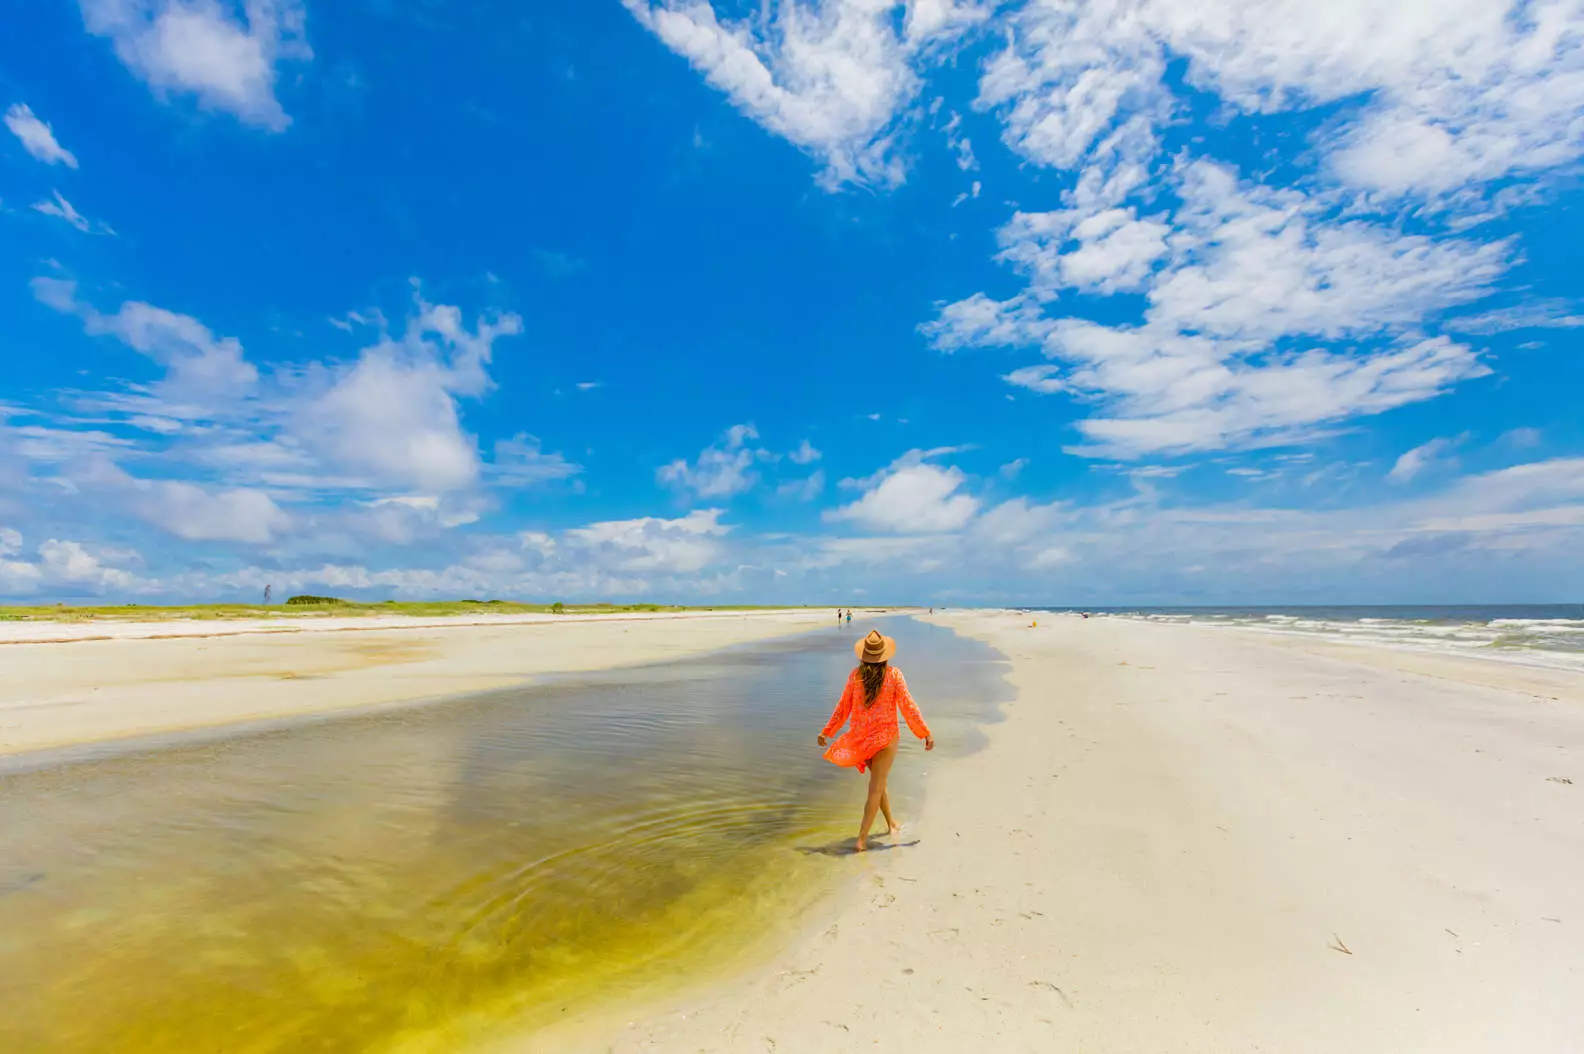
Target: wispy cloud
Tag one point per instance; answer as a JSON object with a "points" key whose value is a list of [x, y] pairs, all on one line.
{"points": [[62, 209], [832, 77], [721, 470], [37, 137], [1244, 274], [1415, 461]]}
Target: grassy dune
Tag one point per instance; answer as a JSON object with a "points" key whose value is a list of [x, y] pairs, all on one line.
{"points": [[327, 607]]}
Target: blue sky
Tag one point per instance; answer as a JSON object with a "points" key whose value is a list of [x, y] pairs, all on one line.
{"points": [[1134, 301]]}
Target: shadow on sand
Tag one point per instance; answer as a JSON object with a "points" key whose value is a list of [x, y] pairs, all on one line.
{"points": [[845, 847]]}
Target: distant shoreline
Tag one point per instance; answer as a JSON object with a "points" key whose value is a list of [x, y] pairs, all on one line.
{"points": [[332, 607]]}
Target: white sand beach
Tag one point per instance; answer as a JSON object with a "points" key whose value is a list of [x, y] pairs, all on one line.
{"points": [[66, 684], [1179, 839], [1194, 839]]}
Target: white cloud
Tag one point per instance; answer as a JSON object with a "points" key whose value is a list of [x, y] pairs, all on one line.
{"points": [[911, 497], [913, 553], [1253, 285], [521, 461], [197, 515], [980, 321], [1518, 529], [186, 510], [1017, 522], [805, 454], [62, 209], [1250, 290], [1454, 93], [49, 445], [1251, 262], [1542, 314], [17, 577], [1522, 437], [831, 77], [803, 489], [200, 47], [1416, 460], [1049, 557], [390, 419], [651, 544], [960, 145], [72, 562], [198, 364], [1115, 250], [1543, 491], [1046, 380], [933, 20], [406, 518], [37, 137], [1186, 398], [721, 470]]}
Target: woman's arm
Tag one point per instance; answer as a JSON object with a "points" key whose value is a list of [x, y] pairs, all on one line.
{"points": [[843, 708], [910, 711]]}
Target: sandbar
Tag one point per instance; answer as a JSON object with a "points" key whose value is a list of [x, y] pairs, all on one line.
{"points": [[73, 684]]}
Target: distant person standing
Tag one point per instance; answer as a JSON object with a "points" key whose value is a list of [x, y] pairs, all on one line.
{"points": [[875, 692], [849, 616]]}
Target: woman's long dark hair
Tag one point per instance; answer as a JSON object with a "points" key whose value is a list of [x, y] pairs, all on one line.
{"points": [[873, 675]]}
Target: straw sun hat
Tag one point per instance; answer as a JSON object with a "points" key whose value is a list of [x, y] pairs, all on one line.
{"points": [[875, 648]]}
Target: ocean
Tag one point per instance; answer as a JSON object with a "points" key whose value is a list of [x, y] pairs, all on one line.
{"points": [[1533, 634]]}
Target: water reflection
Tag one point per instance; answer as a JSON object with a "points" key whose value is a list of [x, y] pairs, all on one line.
{"points": [[412, 879]]}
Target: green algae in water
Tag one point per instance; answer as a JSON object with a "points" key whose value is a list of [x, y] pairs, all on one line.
{"points": [[421, 879]]}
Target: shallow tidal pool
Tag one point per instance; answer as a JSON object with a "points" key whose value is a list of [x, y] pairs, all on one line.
{"points": [[432, 877]]}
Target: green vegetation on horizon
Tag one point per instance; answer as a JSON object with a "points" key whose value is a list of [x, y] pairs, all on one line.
{"points": [[312, 607]]}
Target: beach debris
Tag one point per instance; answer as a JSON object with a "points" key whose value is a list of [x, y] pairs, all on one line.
{"points": [[798, 976], [1559, 779], [1053, 988], [1336, 945]]}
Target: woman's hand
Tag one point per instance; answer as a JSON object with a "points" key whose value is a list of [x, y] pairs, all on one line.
{"points": [[820, 740], [929, 744]]}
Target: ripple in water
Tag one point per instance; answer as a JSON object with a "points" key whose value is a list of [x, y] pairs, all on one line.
{"points": [[421, 879]]}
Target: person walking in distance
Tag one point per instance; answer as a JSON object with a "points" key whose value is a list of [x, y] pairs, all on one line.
{"points": [[875, 691]]}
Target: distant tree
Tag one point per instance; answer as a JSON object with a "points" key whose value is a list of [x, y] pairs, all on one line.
{"points": [[557, 608], [308, 600]]}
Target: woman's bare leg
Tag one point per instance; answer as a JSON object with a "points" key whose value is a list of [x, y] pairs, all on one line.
{"points": [[885, 810], [879, 769]]}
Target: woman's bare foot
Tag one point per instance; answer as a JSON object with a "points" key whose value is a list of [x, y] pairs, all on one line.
{"points": [[859, 846], [893, 828]]}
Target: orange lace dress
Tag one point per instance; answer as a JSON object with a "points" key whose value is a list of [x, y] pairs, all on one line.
{"points": [[874, 727]]}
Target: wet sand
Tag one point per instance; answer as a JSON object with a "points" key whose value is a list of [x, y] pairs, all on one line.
{"points": [[64, 685], [1194, 839]]}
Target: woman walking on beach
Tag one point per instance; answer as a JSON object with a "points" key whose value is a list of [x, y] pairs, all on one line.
{"points": [[875, 691]]}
